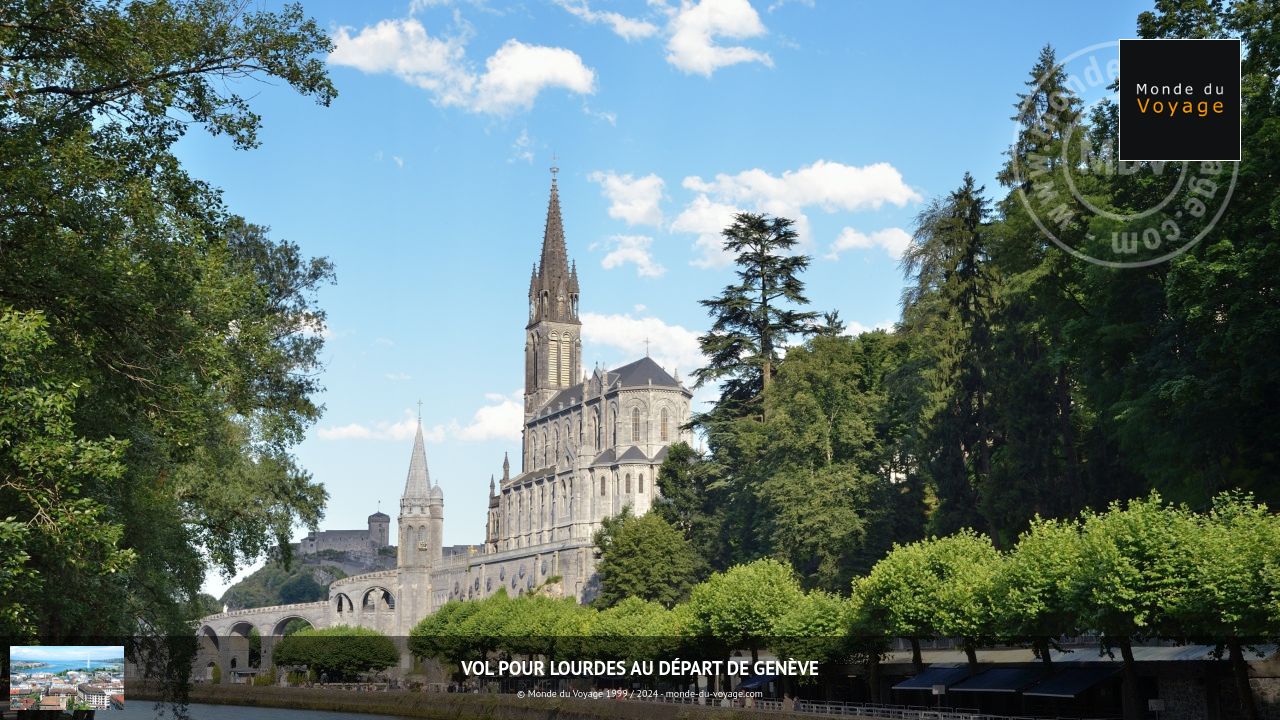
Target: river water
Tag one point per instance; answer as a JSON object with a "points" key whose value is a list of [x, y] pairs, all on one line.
{"points": [[145, 710]]}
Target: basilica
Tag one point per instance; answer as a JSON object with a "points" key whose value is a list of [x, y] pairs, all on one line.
{"points": [[592, 445]]}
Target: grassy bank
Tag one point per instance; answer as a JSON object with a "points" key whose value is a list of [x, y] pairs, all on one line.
{"points": [[448, 706]]}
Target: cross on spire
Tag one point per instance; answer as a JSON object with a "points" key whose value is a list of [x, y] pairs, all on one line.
{"points": [[646, 347], [555, 169], [419, 410]]}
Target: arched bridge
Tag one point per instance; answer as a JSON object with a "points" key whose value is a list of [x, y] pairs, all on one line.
{"points": [[225, 638]]}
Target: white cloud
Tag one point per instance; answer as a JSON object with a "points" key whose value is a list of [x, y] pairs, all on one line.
{"points": [[398, 160], [398, 377], [633, 249], [501, 419], [829, 185], [516, 73], [638, 201], [402, 429], [512, 79], [893, 240], [853, 327], [706, 219], [640, 307], [671, 346], [627, 28], [522, 148], [694, 28], [310, 327]]}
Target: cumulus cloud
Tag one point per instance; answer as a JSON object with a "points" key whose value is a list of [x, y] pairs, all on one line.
{"points": [[671, 346], [501, 419], [512, 78], [638, 201], [627, 28], [829, 185], [893, 240], [694, 27], [634, 249], [853, 327], [706, 219], [402, 429]]}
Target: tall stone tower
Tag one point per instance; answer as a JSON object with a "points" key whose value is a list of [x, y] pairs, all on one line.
{"points": [[553, 337], [421, 513]]}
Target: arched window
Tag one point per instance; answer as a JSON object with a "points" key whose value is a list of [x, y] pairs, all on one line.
{"points": [[555, 457], [641, 488], [664, 425], [566, 355], [546, 449], [627, 487], [553, 358], [635, 424], [602, 486]]}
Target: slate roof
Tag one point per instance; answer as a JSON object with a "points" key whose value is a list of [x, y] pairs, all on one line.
{"points": [[418, 483], [633, 454], [641, 372]]}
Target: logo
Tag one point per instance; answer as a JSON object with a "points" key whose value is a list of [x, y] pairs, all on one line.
{"points": [[1082, 196]]}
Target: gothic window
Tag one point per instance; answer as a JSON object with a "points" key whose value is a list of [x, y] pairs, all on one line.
{"points": [[602, 486], [566, 350], [635, 424], [553, 502], [627, 487], [553, 358], [556, 455], [664, 425], [546, 450], [641, 488]]}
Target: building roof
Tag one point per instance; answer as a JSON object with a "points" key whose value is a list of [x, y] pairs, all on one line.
{"points": [[418, 483], [639, 373], [643, 372], [379, 516], [634, 454]]}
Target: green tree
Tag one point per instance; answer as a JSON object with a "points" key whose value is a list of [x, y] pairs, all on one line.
{"points": [[341, 651], [949, 301], [688, 502], [1232, 571], [1033, 590], [742, 606], [187, 336], [1128, 575], [826, 410], [645, 558], [753, 318]]}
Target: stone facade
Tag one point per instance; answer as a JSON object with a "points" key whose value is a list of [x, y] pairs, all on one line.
{"points": [[592, 445], [360, 542]]}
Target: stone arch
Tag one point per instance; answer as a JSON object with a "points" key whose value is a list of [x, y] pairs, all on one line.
{"points": [[378, 599], [344, 604], [278, 629], [209, 637]]}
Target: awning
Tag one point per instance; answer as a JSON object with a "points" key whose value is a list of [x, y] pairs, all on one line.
{"points": [[1071, 682], [756, 682], [1001, 680], [934, 675]]}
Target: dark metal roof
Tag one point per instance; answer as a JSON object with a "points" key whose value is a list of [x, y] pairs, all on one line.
{"points": [[934, 675], [608, 457], [1072, 681], [642, 372], [1001, 680], [634, 454]]}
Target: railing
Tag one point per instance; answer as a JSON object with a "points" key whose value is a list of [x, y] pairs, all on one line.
{"points": [[866, 711], [266, 610]]}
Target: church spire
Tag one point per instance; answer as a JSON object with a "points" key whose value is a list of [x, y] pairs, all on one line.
{"points": [[554, 285], [418, 483]]}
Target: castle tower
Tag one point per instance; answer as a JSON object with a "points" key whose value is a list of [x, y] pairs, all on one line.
{"points": [[421, 513], [553, 337], [380, 529]]}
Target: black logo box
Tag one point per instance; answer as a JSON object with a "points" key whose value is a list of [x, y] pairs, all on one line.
{"points": [[1160, 77]]}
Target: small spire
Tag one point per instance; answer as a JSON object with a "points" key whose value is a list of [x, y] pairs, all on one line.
{"points": [[506, 467], [491, 485]]}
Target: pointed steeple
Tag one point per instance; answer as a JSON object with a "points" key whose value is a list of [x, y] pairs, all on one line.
{"points": [[553, 288], [418, 483], [506, 467]]}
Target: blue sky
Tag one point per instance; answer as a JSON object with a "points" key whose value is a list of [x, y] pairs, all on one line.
{"points": [[66, 653], [426, 183]]}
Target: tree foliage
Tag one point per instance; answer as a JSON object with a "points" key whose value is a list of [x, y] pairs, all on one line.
{"points": [[644, 558], [342, 652]]}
